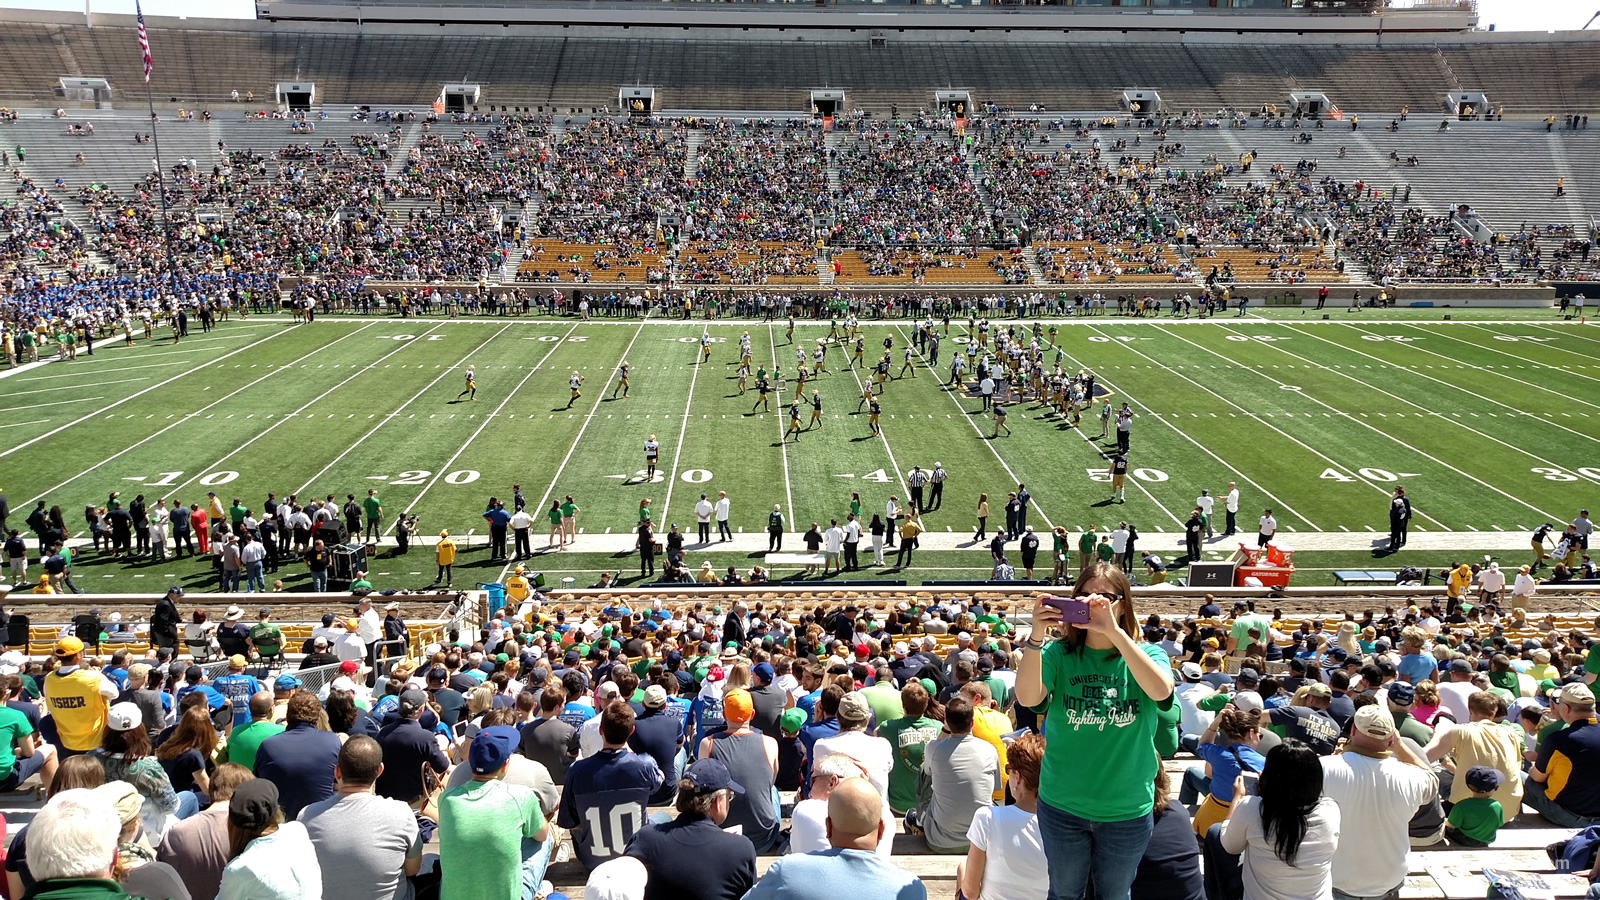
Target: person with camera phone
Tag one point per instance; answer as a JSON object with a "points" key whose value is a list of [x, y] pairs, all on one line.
{"points": [[1100, 688]]}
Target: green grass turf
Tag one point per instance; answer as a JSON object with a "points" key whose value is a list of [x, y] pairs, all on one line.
{"points": [[1491, 426]]}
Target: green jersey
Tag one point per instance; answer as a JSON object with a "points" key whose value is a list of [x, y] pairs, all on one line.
{"points": [[1478, 818], [907, 737], [482, 825], [373, 506]]}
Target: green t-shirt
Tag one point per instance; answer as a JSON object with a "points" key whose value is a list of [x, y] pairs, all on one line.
{"points": [[644, 513], [267, 637], [1100, 729], [569, 509], [360, 583], [244, 743], [238, 512], [1086, 545], [13, 725], [997, 690], [1591, 663], [1105, 552], [1259, 621], [1167, 731], [1507, 681], [481, 827], [1478, 818], [907, 737], [555, 516], [373, 506]]}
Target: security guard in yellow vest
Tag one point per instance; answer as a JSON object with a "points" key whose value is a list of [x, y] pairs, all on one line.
{"points": [[77, 699]]}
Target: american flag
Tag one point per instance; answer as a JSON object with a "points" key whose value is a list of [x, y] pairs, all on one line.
{"points": [[144, 42]]}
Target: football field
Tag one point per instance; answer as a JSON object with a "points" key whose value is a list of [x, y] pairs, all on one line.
{"points": [[1491, 422]]}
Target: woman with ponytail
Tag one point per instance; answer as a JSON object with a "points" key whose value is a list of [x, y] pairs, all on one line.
{"points": [[1229, 750]]}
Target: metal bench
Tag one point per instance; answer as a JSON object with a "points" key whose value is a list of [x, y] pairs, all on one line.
{"points": [[1362, 576]]}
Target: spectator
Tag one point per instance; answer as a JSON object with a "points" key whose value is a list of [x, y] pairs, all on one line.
{"points": [[604, 797], [959, 774], [1378, 781], [1006, 857], [72, 847], [78, 699], [873, 754], [1482, 741], [367, 846], [907, 737], [658, 734], [855, 828], [301, 760], [547, 739], [124, 753], [270, 859], [1287, 832], [692, 856], [137, 870], [752, 759], [198, 846], [1098, 778], [482, 856], [1474, 821], [238, 688], [808, 820], [244, 742], [23, 751], [1170, 868], [407, 749], [1564, 783], [1453, 694]]}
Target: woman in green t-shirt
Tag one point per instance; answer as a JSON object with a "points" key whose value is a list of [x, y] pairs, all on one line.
{"points": [[1100, 690]]}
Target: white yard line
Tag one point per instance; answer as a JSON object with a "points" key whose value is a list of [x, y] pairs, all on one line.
{"points": [[990, 444], [54, 431], [1277, 502], [303, 407], [187, 416], [683, 429], [783, 447], [1572, 334], [1375, 430], [861, 388], [74, 387], [1534, 363], [387, 417], [78, 373], [599, 396], [1522, 413], [56, 403], [485, 424], [1439, 416], [20, 424], [1355, 476]]}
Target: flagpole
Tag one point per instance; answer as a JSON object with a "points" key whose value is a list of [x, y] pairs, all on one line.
{"points": [[155, 137]]}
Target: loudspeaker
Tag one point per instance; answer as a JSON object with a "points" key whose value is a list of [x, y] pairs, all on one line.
{"points": [[344, 561], [330, 533], [1211, 575]]}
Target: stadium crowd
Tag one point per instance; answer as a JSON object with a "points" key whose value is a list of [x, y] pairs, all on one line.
{"points": [[636, 738]]}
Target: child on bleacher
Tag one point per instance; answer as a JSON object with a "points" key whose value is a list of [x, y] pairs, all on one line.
{"points": [[1474, 821]]}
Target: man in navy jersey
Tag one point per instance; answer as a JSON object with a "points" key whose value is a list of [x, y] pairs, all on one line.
{"points": [[604, 797]]}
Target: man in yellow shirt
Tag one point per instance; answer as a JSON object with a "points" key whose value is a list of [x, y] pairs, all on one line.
{"points": [[445, 551], [518, 588], [77, 699], [988, 724]]}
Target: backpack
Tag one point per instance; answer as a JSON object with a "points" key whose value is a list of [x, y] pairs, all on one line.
{"points": [[1576, 855]]}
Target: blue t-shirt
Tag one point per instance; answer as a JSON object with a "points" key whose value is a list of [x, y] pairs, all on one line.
{"points": [[238, 688], [1415, 667], [575, 714], [1225, 766], [659, 734], [603, 802], [214, 699]]}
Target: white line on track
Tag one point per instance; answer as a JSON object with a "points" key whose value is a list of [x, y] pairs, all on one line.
{"points": [[42, 405], [286, 418], [861, 388], [186, 417], [1376, 430], [73, 387], [1278, 502], [389, 416], [1520, 413], [485, 424], [20, 424], [599, 395], [990, 444], [54, 431], [1425, 411], [683, 430], [783, 448], [78, 373]]}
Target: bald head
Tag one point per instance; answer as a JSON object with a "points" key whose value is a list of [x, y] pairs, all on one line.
{"points": [[855, 815], [261, 705]]}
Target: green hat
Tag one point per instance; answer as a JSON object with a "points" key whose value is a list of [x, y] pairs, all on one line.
{"points": [[928, 685], [616, 644], [732, 645], [605, 630], [501, 657], [717, 609], [792, 720]]}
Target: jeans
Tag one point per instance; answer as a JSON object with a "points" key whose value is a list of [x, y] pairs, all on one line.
{"points": [[188, 804], [1076, 848], [252, 578], [1533, 794], [374, 531], [319, 580], [1223, 879], [230, 581], [444, 576], [1195, 786], [724, 531], [535, 860]]}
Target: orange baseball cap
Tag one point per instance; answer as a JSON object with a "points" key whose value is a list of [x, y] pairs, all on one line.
{"points": [[737, 706]]}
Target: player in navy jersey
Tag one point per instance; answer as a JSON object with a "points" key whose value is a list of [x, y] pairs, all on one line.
{"points": [[604, 797]]}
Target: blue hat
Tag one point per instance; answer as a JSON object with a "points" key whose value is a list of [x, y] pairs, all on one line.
{"points": [[1401, 694], [709, 775], [286, 683], [491, 748], [1483, 779], [1338, 654], [764, 671]]}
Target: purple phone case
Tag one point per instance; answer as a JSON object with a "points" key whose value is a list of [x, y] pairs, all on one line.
{"points": [[1073, 612]]}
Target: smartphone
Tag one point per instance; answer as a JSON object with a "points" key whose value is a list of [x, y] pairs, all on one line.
{"points": [[1073, 611], [1252, 783]]}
